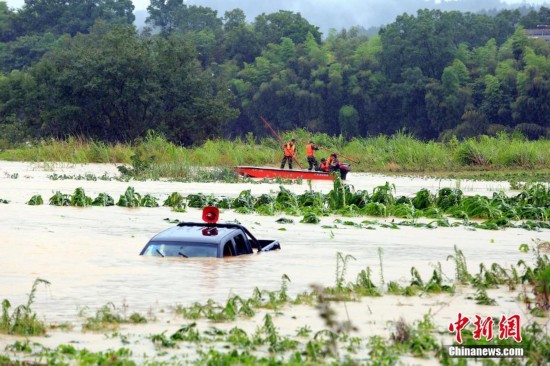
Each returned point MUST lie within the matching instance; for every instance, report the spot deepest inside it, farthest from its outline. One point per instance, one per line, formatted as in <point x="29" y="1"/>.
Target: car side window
<point x="228" y="250"/>
<point x="240" y="245"/>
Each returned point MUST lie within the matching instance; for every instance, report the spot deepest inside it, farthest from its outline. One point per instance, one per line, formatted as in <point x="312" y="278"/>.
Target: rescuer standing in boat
<point x="289" y="150"/>
<point x="310" y="153"/>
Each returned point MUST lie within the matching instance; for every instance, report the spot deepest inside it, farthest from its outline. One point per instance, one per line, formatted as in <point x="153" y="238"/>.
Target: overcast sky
<point x="336" y="14"/>
<point x="143" y="4"/>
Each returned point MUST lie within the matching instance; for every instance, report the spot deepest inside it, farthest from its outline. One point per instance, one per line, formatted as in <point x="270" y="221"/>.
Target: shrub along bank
<point x="154" y="156"/>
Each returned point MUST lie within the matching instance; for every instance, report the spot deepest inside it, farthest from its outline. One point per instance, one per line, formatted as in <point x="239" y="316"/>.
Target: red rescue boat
<point x="273" y="173"/>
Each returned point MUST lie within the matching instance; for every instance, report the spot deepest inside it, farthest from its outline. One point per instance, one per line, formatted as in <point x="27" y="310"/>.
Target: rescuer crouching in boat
<point x="333" y="163"/>
<point x="323" y="167"/>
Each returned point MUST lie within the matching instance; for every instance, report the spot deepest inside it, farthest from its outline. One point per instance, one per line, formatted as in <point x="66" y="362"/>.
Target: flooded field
<point x="90" y="256"/>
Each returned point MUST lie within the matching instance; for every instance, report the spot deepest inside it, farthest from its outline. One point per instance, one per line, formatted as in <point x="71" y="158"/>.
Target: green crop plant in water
<point x="200" y="200"/>
<point x="187" y="333"/>
<point x="462" y="275"/>
<point x="176" y="201"/>
<point x="268" y="334"/>
<point x="448" y="197"/>
<point x="103" y="199"/>
<point x="381" y="352"/>
<point x="80" y="199"/>
<point x="23" y="321"/>
<point x="244" y="200"/>
<point x="423" y="199"/>
<point x="130" y="198"/>
<point x="364" y="285"/>
<point x="375" y="209"/>
<point x="340" y="196"/>
<point x="271" y="299"/>
<point x="498" y="210"/>
<point x="160" y="340"/>
<point x="405" y="211"/>
<point x="417" y="339"/>
<point x="68" y="354"/>
<point x="60" y="199"/>
<point x="234" y="307"/>
<point x="19" y="346"/>
<point x="287" y="202"/>
<point x="491" y="277"/>
<point x="303" y="331"/>
<point x="148" y="201"/>
<point x="383" y="194"/>
<point x="109" y="317"/>
<point x="310" y="218"/>
<point x="539" y="276"/>
<point x="435" y="283"/>
<point x="341" y="268"/>
<point x="482" y="298"/>
<point x="35" y="200"/>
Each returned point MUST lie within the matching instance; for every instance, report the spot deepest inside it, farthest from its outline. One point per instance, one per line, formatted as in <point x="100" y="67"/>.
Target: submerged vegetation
<point x="155" y="157"/>
<point x="22" y="321"/>
<point x="336" y="342"/>
<point x="529" y="209"/>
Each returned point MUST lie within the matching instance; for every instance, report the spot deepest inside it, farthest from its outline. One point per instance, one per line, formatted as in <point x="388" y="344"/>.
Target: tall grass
<point x="400" y="152"/>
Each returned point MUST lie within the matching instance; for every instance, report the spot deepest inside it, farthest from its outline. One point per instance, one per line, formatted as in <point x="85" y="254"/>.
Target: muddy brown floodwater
<point x="90" y="255"/>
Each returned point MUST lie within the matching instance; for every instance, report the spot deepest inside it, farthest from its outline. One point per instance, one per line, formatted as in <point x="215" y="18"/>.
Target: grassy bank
<point x="398" y="153"/>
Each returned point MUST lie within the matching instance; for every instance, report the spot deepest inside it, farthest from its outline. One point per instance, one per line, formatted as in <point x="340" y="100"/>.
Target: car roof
<point x="196" y="234"/>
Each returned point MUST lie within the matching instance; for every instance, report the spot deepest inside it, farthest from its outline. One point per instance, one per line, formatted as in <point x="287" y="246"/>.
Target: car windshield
<point x="181" y="250"/>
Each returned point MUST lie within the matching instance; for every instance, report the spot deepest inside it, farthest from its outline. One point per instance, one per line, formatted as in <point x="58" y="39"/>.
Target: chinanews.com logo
<point x="484" y="329"/>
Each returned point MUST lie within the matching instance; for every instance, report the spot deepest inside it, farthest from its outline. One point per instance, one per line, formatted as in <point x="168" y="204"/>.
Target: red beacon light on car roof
<point x="210" y="214"/>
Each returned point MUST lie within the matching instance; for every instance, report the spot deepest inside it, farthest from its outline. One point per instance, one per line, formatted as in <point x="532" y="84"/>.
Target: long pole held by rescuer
<point x="278" y="138"/>
<point x="322" y="148"/>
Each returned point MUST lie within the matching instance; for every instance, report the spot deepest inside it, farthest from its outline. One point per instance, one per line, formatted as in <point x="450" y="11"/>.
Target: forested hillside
<point x="80" y="68"/>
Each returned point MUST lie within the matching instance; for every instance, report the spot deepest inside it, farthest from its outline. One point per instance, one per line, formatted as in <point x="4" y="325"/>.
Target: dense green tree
<point x="533" y="83"/>
<point x="496" y="104"/>
<point x="198" y="18"/>
<point x="174" y="15"/>
<point x="434" y="74"/>
<point x="69" y="16"/>
<point x="241" y="44"/>
<point x="272" y="27"/>
<point x="190" y="111"/>
<point x="113" y="85"/>
<point x="424" y="41"/>
<point x="505" y="23"/>
<point x="5" y="21"/>
<point x="100" y="85"/>
<point x="164" y="14"/>
<point x="446" y="100"/>
<point x="347" y="119"/>
<point x="233" y="19"/>
<point x="536" y="18"/>
<point x="25" y="51"/>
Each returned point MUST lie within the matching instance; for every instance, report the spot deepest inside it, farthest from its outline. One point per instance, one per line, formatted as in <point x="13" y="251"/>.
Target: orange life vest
<point x="290" y="149"/>
<point x="310" y="151"/>
<point x="324" y="166"/>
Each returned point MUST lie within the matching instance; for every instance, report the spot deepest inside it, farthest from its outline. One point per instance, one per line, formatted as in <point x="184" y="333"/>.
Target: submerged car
<point x="208" y="239"/>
